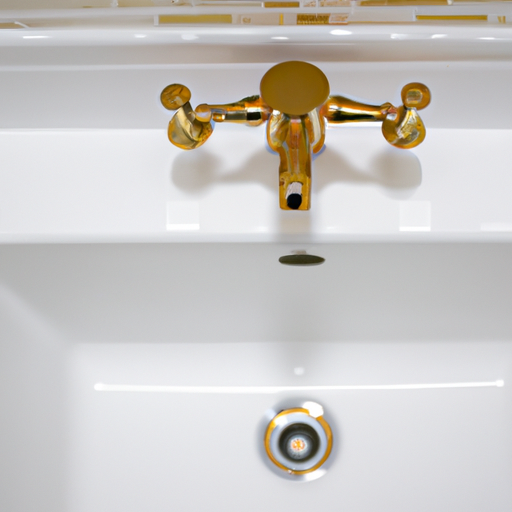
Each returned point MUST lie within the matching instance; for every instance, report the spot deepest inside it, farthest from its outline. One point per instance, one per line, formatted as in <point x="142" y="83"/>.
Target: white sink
<point x="147" y="327"/>
<point x="190" y="318"/>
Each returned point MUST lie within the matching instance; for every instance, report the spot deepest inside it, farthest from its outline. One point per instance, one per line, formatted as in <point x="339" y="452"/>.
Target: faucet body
<point x="296" y="105"/>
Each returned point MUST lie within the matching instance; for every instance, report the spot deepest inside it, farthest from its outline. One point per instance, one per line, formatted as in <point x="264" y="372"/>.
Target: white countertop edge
<point x="447" y="237"/>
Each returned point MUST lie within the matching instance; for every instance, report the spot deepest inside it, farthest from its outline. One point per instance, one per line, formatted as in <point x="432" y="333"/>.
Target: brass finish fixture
<point x="294" y="100"/>
<point x="289" y="441"/>
<point x="405" y="129"/>
<point x="294" y="87"/>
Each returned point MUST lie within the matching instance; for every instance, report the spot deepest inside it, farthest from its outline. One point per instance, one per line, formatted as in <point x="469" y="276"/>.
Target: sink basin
<point x="134" y="375"/>
<point x="147" y="327"/>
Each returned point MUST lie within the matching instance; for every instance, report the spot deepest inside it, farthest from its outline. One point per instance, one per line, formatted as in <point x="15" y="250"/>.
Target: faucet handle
<point x="187" y="129"/>
<point x="175" y="96"/>
<point x="403" y="127"/>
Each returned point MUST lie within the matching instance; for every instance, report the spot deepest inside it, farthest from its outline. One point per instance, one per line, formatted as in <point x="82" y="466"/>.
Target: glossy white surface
<point x="86" y="156"/>
<point x="132" y="184"/>
<point x="226" y="320"/>
<point x="136" y="377"/>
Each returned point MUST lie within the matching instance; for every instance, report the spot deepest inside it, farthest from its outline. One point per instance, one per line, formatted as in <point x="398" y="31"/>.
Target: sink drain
<point x="299" y="440"/>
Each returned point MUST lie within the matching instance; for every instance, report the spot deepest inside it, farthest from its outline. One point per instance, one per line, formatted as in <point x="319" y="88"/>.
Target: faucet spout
<point x="295" y="139"/>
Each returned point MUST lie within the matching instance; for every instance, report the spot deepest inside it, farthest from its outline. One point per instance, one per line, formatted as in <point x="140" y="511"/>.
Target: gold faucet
<point x="294" y="100"/>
